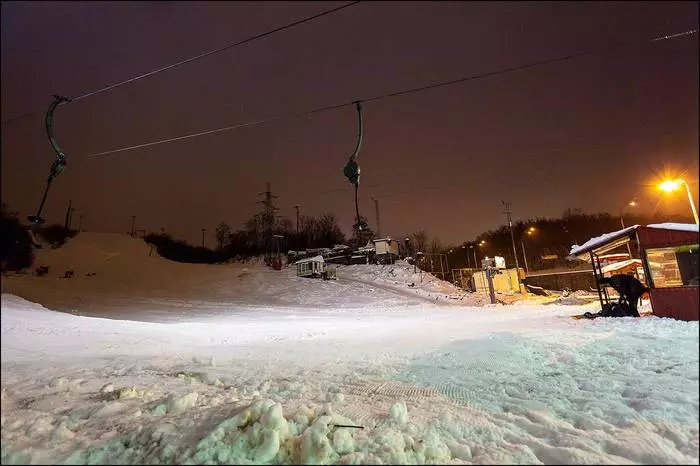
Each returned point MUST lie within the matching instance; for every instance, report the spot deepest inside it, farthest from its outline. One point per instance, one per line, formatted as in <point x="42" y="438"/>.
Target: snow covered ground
<point x="213" y="368"/>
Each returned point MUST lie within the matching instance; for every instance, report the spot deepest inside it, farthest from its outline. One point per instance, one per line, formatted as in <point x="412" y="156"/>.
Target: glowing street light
<point x="670" y="186"/>
<point x="530" y="231"/>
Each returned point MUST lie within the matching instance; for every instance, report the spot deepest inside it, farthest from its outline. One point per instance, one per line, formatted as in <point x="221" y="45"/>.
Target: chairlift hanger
<point x="59" y="164"/>
<point x="352" y="168"/>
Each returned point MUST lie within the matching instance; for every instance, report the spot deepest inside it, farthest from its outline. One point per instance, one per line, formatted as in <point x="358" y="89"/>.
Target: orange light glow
<point x="670" y="185"/>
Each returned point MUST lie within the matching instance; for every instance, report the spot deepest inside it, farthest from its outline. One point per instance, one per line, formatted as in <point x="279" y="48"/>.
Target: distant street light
<point x="669" y="186"/>
<point x="530" y="231"/>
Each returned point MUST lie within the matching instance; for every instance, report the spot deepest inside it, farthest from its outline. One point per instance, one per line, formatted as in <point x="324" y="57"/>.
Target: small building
<point x="386" y="250"/>
<point x="670" y="260"/>
<point x="314" y="267"/>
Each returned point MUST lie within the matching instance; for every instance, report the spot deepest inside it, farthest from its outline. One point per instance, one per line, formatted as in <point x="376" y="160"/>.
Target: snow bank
<point x="401" y="278"/>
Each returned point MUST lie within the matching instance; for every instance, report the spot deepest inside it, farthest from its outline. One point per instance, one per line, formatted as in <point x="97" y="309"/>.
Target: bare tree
<point x="222" y="234"/>
<point x="435" y="246"/>
<point x="420" y="240"/>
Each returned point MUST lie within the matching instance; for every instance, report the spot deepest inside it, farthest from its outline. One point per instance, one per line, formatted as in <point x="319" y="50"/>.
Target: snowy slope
<point x="129" y="281"/>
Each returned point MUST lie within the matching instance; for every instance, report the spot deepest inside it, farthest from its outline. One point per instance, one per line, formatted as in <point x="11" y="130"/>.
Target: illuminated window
<point x="675" y="266"/>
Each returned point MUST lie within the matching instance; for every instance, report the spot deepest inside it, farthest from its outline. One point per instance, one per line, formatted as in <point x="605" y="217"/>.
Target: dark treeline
<point x="16" y="253"/>
<point x="17" y="242"/>
<point x="552" y="237"/>
<point x="258" y="237"/>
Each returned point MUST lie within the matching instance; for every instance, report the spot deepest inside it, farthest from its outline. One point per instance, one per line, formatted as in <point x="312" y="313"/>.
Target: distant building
<point x="386" y="250"/>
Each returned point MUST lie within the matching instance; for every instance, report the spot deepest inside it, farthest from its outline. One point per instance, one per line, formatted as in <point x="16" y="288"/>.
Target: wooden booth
<point x="669" y="258"/>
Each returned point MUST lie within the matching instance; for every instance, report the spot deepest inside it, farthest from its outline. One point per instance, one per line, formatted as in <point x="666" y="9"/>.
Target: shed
<point x="310" y="267"/>
<point x="386" y="246"/>
<point x="669" y="255"/>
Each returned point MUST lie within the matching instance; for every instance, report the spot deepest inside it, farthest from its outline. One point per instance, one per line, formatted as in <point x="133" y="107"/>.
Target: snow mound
<point x="89" y="252"/>
<point x="401" y="277"/>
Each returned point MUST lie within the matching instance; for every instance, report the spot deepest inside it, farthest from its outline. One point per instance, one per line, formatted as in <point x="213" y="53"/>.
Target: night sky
<point x="588" y="133"/>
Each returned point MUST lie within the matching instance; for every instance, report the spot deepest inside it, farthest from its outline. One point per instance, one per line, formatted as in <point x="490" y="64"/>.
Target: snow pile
<point x="401" y="277"/>
<point x="449" y="386"/>
<point x="93" y="252"/>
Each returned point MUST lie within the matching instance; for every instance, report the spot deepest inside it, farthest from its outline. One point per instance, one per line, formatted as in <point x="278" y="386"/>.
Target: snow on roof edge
<point x="599" y="240"/>
<point x="310" y="259"/>
<point x="608" y="237"/>
<point x="675" y="226"/>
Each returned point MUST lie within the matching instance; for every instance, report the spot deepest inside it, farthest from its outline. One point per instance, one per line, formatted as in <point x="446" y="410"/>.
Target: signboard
<point x="500" y="262"/>
<point x="550" y="257"/>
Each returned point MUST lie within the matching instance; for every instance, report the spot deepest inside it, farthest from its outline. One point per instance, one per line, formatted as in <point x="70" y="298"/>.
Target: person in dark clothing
<point x="630" y="289"/>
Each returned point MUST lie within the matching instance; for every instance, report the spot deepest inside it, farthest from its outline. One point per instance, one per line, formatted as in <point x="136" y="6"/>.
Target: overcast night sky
<point x="591" y="133"/>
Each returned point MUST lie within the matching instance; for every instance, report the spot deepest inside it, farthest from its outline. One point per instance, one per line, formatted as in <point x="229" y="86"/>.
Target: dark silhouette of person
<point x="629" y="287"/>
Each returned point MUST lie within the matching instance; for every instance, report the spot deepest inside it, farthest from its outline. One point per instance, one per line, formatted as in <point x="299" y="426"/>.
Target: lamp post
<point x="529" y="232"/>
<point x="466" y="256"/>
<point x="669" y="186"/>
<point x="632" y="203"/>
<point x="482" y="243"/>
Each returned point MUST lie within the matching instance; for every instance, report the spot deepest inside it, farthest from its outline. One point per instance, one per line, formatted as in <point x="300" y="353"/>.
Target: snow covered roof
<point x="617" y="238"/>
<point x="620" y="265"/>
<point x="310" y="259"/>
<point x="675" y="226"/>
<point x="593" y="243"/>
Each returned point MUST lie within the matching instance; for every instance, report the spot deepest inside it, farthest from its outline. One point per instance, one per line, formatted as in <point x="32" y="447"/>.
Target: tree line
<point x="549" y="244"/>
<point x="547" y="247"/>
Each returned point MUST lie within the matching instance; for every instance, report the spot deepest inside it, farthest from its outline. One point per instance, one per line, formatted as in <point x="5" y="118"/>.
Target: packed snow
<point x="159" y="362"/>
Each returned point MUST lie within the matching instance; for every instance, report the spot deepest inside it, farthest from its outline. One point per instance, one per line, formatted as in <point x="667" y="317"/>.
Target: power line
<point x="198" y="57"/>
<point x="407" y="91"/>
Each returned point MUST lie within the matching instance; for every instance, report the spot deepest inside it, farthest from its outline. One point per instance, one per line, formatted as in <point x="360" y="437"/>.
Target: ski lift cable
<point x="197" y="57"/>
<point x="408" y="91"/>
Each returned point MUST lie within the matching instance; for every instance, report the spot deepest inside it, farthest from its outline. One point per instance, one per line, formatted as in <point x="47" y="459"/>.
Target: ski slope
<point x="160" y="362"/>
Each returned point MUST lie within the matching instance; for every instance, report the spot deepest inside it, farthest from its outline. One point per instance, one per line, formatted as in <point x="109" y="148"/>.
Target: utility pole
<point x="376" y="212"/>
<point x="297" y="209"/>
<point x="268" y="219"/>
<point x="466" y="256"/>
<point x="66" y="224"/>
<point x="204" y="232"/>
<point x="522" y="243"/>
<point x="297" y="240"/>
<point x="80" y="223"/>
<point x="512" y="239"/>
<point x="133" y="225"/>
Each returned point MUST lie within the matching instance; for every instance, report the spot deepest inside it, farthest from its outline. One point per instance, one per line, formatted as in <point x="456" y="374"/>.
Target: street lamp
<point x="466" y="256"/>
<point x="669" y="186"/>
<point x="530" y="231"/>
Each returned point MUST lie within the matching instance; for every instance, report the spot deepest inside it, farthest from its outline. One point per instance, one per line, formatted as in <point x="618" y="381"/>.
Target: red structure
<point x="670" y="258"/>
